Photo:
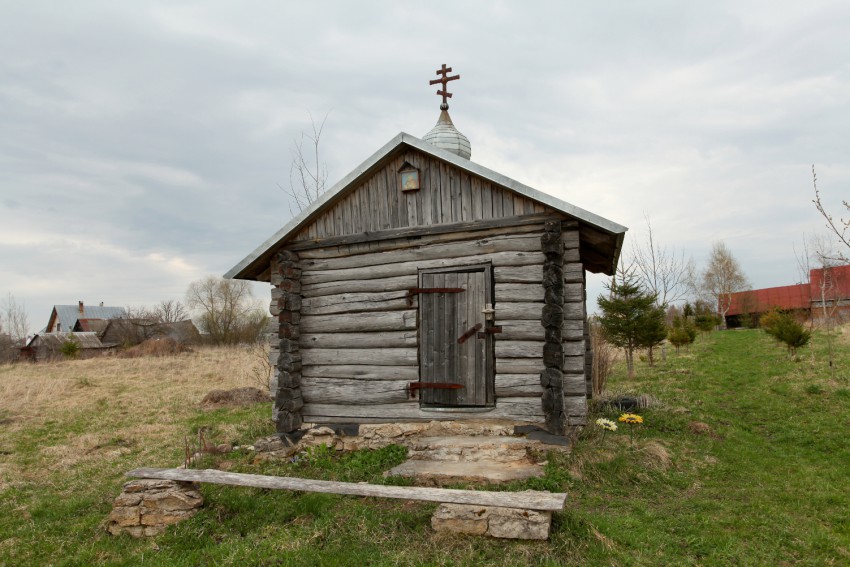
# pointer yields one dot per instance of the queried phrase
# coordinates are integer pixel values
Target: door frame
(489, 338)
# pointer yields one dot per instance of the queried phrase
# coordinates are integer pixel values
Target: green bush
(785, 329)
(682, 333)
(71, 347)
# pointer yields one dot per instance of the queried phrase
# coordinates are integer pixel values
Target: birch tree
(722, 277)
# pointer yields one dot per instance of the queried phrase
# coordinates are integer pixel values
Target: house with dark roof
(424, 286)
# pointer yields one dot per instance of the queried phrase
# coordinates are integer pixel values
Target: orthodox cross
(444, 79)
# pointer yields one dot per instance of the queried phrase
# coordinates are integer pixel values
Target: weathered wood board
(529, 499)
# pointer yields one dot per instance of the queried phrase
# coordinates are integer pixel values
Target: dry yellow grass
(89, 413)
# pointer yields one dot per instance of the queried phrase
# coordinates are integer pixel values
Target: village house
(64, 318)
(424, 286)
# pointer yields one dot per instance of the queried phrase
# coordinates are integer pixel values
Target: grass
(742, 460)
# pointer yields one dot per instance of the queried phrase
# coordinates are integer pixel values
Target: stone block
(125, 499)
(515, 523)
(147, 484)
(460, 518)
(165, 517)
(123, 516)
(508, 523)
(178, 499)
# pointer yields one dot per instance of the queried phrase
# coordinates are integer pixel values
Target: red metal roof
(836, 286)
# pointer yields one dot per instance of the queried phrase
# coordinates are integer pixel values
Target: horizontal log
(518, 349)
(360, 306)
(344, 299)
(518, 274)
(519, 292)
(527, 499)
(423, 232)
(573, 272)
(388, 321)
(518, 408)
(570, 238)
(436, 251)
(575, 385)
(360, 356)
(518, 329)
(359, 340)
(309, 277)
(353, 391)
(574, 348)
(407, 373)
(518, 311)
(573, 292)
(520, 365)
(401, 283)
(574, 364)
(518, 385)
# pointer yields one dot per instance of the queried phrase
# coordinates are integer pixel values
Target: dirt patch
(699, 428)
(235, 397)
(155, 347)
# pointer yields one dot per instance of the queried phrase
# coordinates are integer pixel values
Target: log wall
(357, 345)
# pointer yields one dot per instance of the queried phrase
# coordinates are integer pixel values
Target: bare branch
(840, 228)
(659, 269)
(308, 176)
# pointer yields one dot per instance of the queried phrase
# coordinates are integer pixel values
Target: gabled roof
(56, 340)
(257, 261)
(68, 315)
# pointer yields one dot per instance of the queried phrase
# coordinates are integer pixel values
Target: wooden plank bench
(527, 500)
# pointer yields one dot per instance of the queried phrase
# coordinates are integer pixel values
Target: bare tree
(839, 228)
(15, 320)
(226, 310)
(660, 270)
(170, 311)
(308, 175)
(721, 278)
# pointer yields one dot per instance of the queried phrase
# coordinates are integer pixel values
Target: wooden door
(451, 350)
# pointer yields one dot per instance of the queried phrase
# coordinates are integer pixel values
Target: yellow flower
(631, 418)
(606, 424)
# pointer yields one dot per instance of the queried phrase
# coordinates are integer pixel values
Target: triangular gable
(366, 189)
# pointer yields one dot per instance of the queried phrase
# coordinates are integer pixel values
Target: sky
(144, 145)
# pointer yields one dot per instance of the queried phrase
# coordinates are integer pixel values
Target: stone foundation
(145, 507)
(508, 523)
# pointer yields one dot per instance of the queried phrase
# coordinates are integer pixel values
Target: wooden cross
(444, 79)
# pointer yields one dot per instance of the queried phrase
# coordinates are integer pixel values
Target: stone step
(446, 472)
(471, 448)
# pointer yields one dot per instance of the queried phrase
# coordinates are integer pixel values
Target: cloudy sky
(143, 144)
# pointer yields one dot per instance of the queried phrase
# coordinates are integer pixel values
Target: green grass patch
(741, 459)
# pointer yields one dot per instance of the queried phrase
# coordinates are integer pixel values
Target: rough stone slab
(460, 518)
(513, 523)
(447, 472)
(471, 448)
(146, 506)
(508, 523)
